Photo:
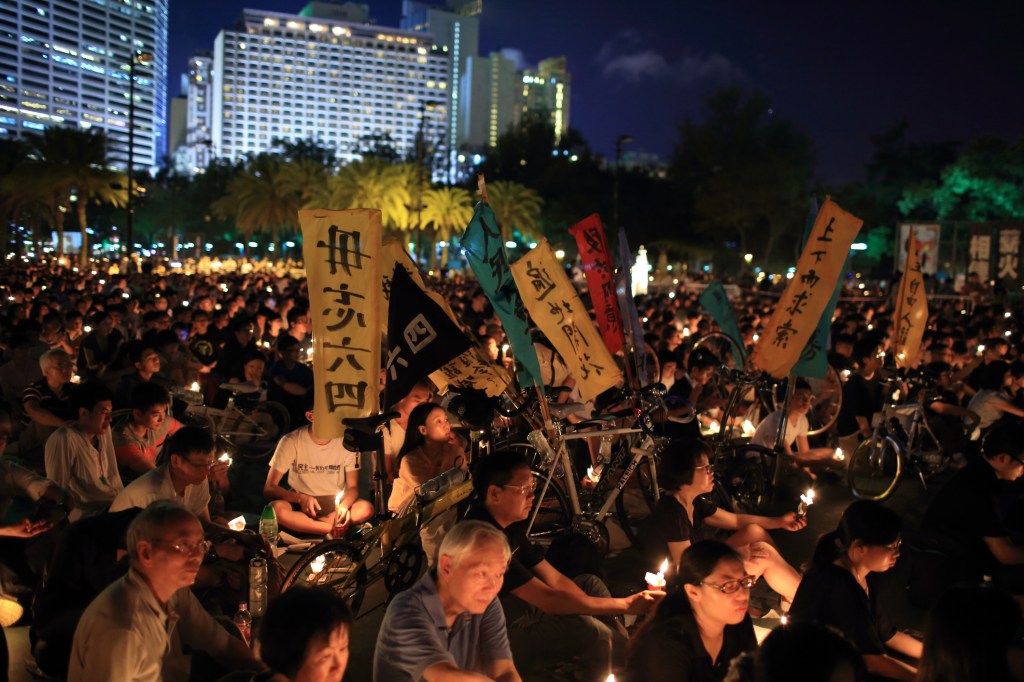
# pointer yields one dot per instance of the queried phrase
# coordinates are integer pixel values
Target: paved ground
(625, 573)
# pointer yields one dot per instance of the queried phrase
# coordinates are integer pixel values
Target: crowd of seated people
(122, 528)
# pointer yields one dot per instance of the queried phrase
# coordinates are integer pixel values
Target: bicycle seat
(604, 419)
(242, 388)
(563, 410)
(369, 425)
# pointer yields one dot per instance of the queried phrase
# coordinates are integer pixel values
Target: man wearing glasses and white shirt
(134, 631)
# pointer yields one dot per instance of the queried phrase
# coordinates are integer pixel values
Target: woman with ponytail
(840, 589)
(701, 625)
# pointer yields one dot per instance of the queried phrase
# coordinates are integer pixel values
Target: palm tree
(305, 177)
(73, 163)
(261, 199)
(367, 184)
(516, 208)
(445, 209)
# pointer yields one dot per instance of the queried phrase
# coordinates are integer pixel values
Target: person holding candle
(703, 622)
(685, 514)
(318, 469)
(797, 426)
(840, 591)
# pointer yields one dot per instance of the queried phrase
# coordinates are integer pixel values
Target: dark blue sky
(954, 70)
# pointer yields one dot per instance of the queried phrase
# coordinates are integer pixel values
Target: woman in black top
(685, 510)
(701, 625)
(839, 590)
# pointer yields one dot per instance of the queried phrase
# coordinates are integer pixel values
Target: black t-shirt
(670, 523)
(525, 555)
(204, 347)
(966, 510)
(861, 398)
(672, 651)
(830, 595)
(679, 396)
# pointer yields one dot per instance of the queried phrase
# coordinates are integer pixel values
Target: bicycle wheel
(723, 346)
(260, 429)
(336, 564)
(554, 517)
(828, 402)
(875, 469)
(636, 502)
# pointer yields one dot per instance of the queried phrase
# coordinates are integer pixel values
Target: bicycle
(250, 431)
(389, 549)
(900, 442)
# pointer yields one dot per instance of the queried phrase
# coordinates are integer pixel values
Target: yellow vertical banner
(911, 309)
(557, 310)
(808, 292)
(469, 369)
(342, 254)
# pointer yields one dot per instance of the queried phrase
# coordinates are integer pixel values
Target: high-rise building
(456, 30)
(488, 98)
(197, 85)
(546, 89)
(346, 85)
(67, 63)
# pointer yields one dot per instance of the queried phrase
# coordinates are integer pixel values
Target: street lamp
(619, 141)
(139, 58)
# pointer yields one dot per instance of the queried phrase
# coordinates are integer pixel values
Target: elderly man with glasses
(137, 629)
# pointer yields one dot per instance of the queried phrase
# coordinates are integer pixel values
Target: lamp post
(139, 58)
(619, 141)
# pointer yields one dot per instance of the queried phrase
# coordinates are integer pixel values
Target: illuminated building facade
(305, 76)
(546, 89)
(66, 63)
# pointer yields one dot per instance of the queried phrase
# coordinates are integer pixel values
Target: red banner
(597, 266)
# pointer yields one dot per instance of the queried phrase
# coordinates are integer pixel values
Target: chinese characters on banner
(980, 251)
(556, 308)
(715, 301)
(600, 273)
(341, 250)
(485, 252)
(911, 309)
(1008, 264)
(421, 336)
(807, 294)
(469, 369)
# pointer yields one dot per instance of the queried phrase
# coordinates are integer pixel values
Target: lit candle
(748, 428)
(87, 329)
(656, 581)
(75, 379)
(226, 459)
(593, 475)
(845, 374)
(757, 337)
(610, 678)
(839, 456)
(784, 620)
(237, 523)
(714, 427)
(806, 500)
(317, 565)
(194, 386)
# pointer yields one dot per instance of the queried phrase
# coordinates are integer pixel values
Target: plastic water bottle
(257, 586)
(442, 483)
(268, 525)
(243, 621)
(540, 443)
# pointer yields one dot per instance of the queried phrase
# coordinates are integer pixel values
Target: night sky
(954, 70)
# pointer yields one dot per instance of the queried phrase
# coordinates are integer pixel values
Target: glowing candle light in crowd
(75, 379)
(806, 500)
(845, 374)
(225, 458)
(748, 428)
(86, 329)
(593, 475)
(194, 386)
(610, 678)
(757, 337)
(317, 565)
(714, 427)
(784, 620)
(237, 523)
(839, 456)
(656, 581)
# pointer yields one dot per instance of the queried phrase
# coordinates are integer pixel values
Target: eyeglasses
(734, 586)
(709, 468)
(524, 490)
(893, 548)
(189, 548)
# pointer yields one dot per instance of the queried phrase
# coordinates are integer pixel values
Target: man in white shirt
(318, 471)
(797, 426)
(80, 456)
(136, 629)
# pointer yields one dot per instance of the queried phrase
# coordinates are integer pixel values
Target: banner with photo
(927, 236)
(600, 273)
(557, 310)
(342, 254)
(799, 310)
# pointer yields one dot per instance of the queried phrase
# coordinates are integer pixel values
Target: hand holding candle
(341, 515)
(806, 500)
(656, 581)
(839, 456)
(237, 523)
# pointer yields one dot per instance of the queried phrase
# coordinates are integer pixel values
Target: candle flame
(714, 427)
(663, 568)
(748, 427)
(610, 678)
(195, 386)
(808, 497)
(784, 620)
(337, 498)
(237, 523)
(318, 564)
(839, 456)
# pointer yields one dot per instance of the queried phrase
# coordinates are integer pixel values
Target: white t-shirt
(768, 430)
(313, 469)
(156, 484)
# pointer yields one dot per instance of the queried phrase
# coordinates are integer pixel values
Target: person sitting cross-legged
(137, 629)
(318, 471)
(549, 614)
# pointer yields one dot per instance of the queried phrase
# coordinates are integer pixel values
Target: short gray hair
(50, 358)
(465, 536)
(151, 522)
